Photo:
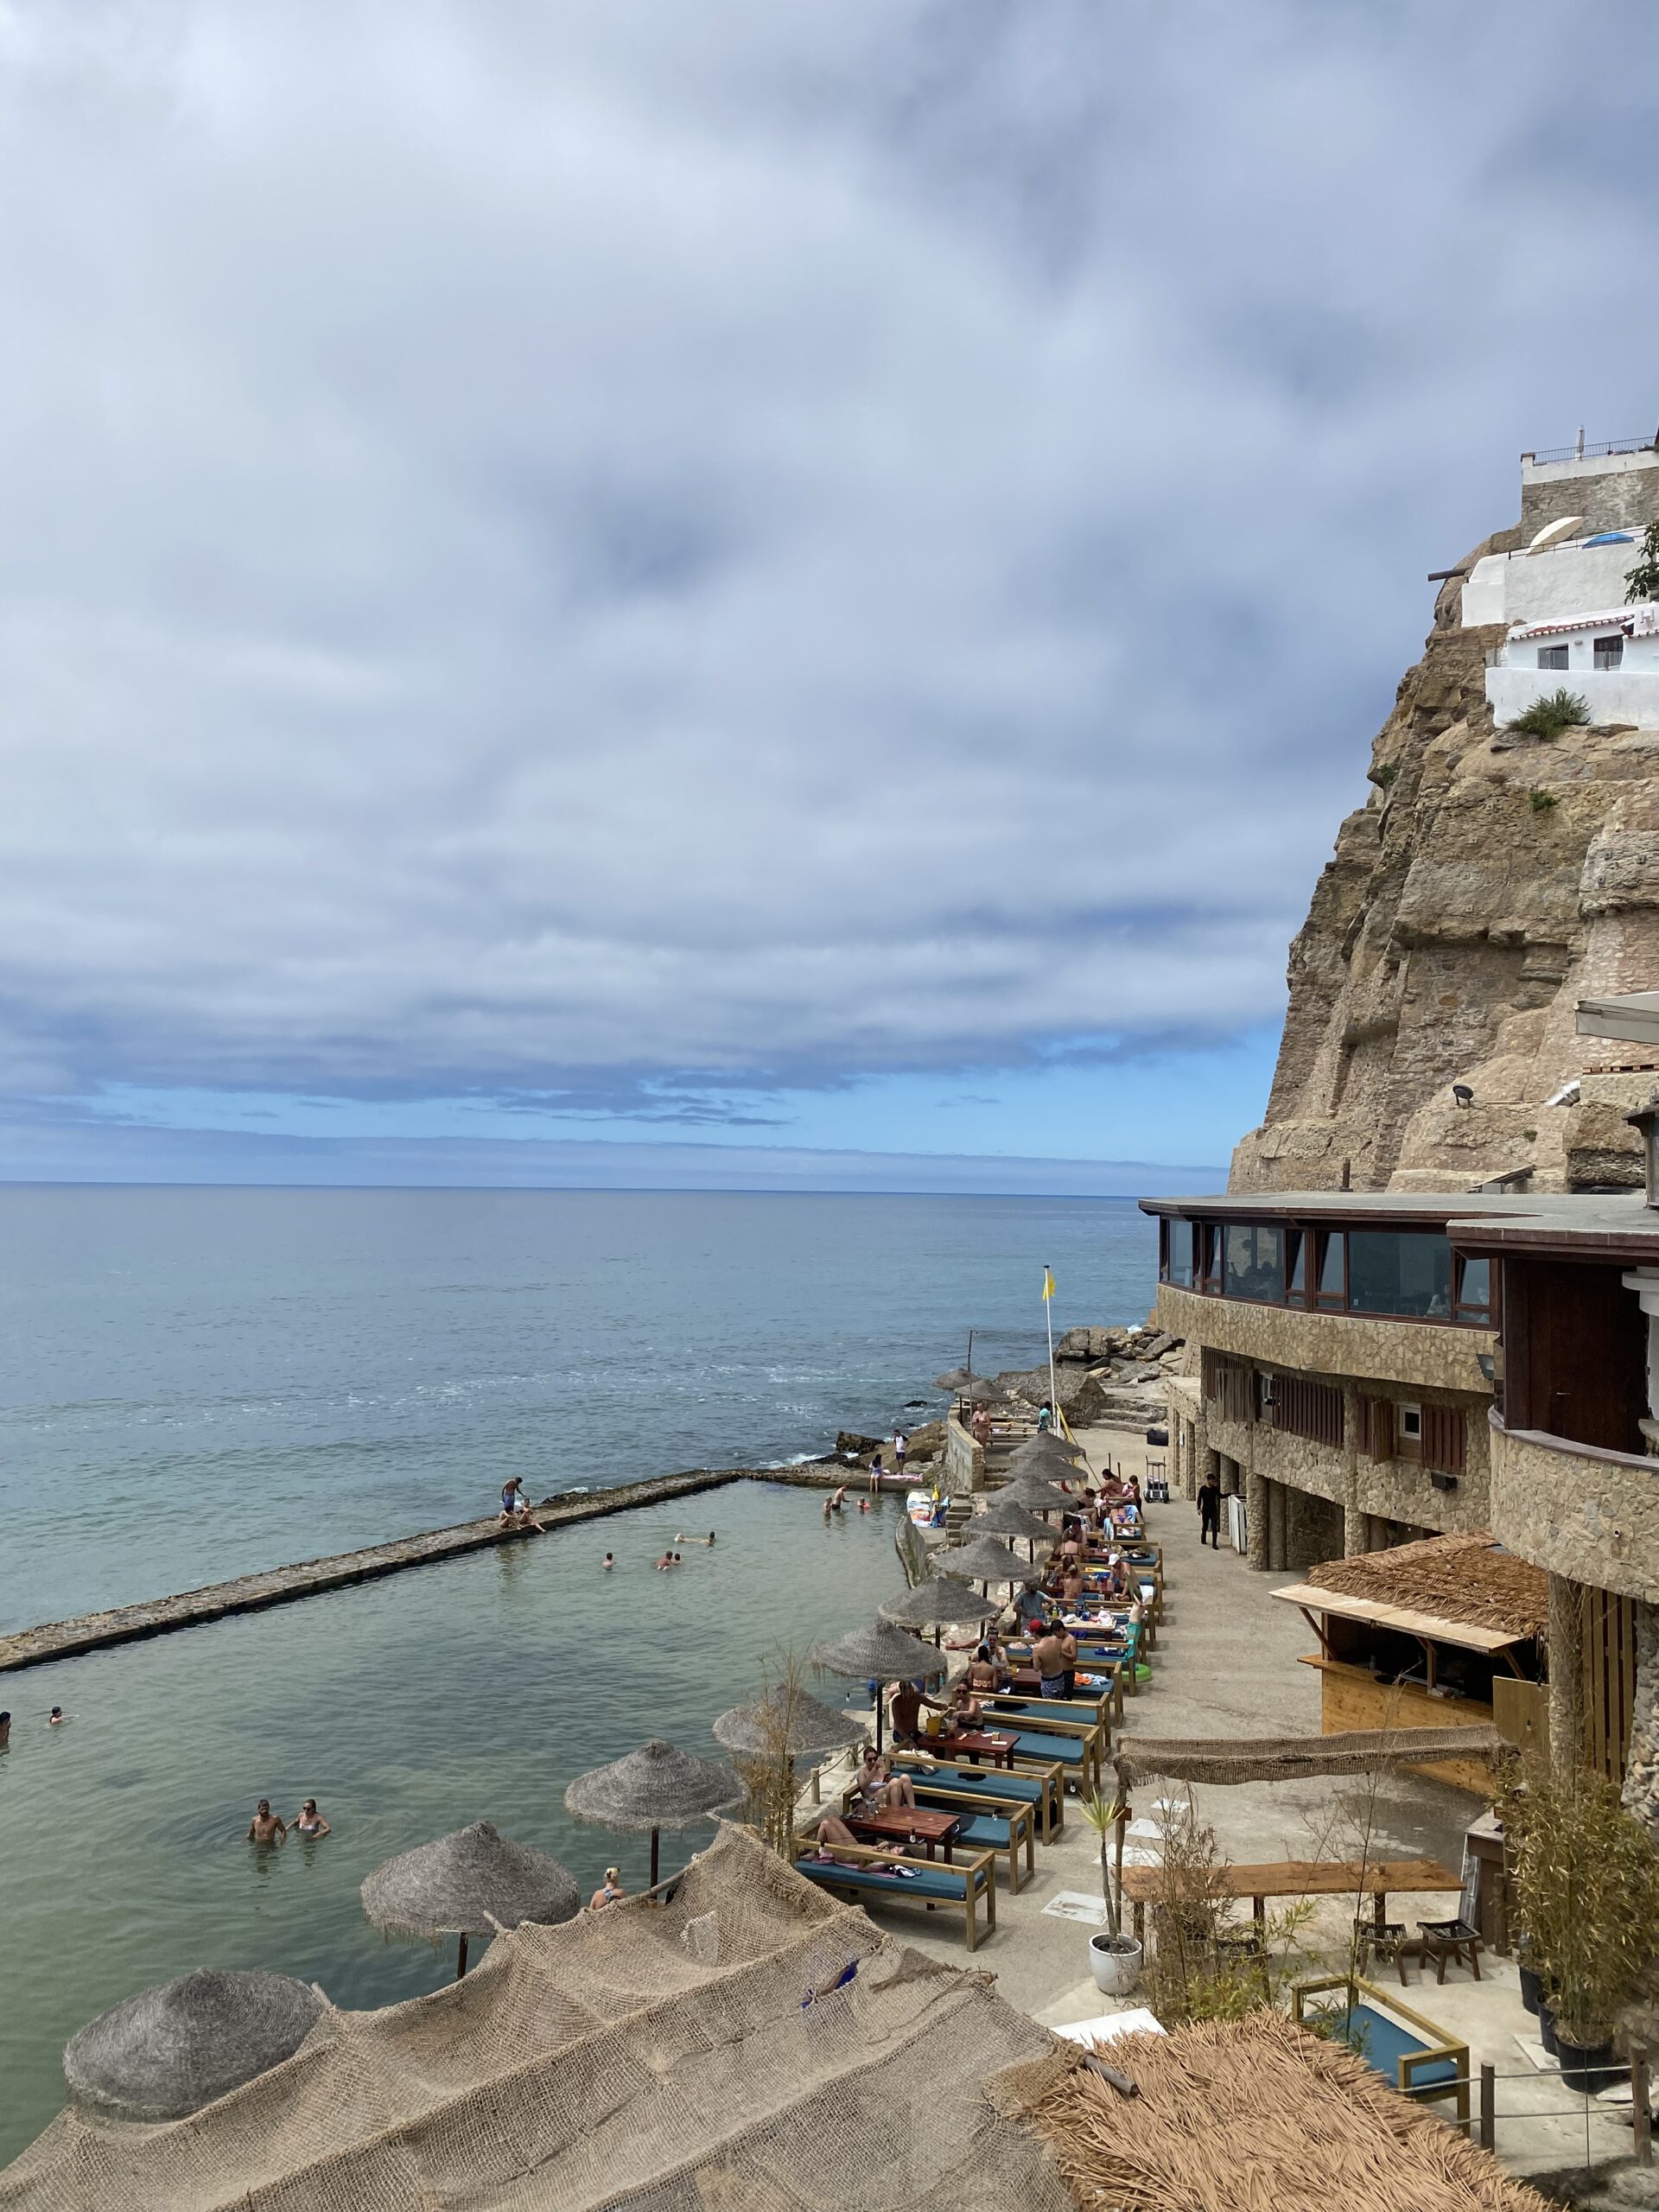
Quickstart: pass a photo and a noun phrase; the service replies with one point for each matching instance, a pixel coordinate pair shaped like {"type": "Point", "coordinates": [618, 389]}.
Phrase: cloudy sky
{"type": "Point", "coordinates": [624, 592]}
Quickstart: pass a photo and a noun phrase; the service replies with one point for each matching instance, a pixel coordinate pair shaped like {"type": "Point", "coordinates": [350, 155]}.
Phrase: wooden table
{"type": "Point", "coordinates": [973, 1744]}
{"type": "Point", "coordinates": [910, 1824]}
{"type": "Point", "coordinates": [1300, 1878]}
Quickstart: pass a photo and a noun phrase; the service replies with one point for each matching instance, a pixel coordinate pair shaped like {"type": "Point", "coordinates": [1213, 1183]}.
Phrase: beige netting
{"type": "Point", "coordinates": [1294, 1758]}
{"type": "Point", "coordinates": [1255, 2115]}
{"type": "Point", "coordinates": [637, 2057]}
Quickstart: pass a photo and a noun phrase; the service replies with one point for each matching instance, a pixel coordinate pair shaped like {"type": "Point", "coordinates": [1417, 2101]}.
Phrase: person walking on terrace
{"type": "Point", "coordinates": [1209, 1511]}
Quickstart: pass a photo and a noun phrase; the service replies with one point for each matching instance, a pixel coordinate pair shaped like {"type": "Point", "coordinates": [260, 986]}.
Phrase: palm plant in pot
{"type": "Point", "coordinates": [1586, 1876]}
{"type": "Point", "coordinates": [1114, 1957]}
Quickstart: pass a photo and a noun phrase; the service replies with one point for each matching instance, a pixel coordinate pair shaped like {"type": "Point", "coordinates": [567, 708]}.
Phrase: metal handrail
{"type": "Point", "coordinates": [1582, 452]}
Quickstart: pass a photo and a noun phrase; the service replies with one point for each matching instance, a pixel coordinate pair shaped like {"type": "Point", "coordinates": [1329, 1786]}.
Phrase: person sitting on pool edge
{"type": "Point", "coordinates": [906, 1707]}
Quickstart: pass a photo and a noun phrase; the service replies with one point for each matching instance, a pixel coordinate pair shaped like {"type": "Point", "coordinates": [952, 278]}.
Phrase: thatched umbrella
{"type": "Point", "coordinates": [954, 1378]}
{"type": "Point", "coordinates": [978, 1392]}
{"type": "Point", "coordinates": [169, 2050]}
{"type": "Point", "coordinates": [472, 1882]}
{"type": "Point", "coordinates": [987, 1561]}
{"type": "Point", "coordinates": [881, 1653]}
{"type": "Point", "coordinates": [1046, 1453]}
{"type": "Point", "coordinates": [654, 1788]}
{"type": "Point", "coordinates": [1036, 1494]}
{"type": "Point", "coordinates": [794, 1725]}
{"type": "Point", "coordinates": [943, 1602]}
{"type": "Point", "coordinates": [1008, 1519]}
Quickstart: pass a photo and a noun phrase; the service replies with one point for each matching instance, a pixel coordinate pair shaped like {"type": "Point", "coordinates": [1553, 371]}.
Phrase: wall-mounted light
{"type": "Point", "coordinates": [1487, 1365]}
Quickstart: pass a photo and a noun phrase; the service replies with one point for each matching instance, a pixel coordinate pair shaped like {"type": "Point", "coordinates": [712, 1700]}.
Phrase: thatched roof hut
{"type": "Point", "coordinates": [1235, 2115]}
{"type": "Point", "coordinates": [171, 2050]}
{"type": "Point", "coordinates": [1468, 1579]}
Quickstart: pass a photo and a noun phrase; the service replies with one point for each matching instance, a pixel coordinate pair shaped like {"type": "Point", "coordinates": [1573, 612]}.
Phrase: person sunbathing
{"type": "Point", "coordinates": [878, 1787]}
{"type": "Point", "coordinates": [834, 1839]}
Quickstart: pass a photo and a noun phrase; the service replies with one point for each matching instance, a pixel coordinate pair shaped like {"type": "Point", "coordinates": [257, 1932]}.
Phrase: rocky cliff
{"type": "Point", "coordinates": [1490, 882]}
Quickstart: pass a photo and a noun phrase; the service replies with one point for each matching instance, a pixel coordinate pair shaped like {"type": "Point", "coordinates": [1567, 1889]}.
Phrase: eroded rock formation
{"type": "Point", "coordinates": [1490, 882]}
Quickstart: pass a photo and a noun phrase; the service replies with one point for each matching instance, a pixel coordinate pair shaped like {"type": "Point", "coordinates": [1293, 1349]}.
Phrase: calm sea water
{"type": "Point", "coordinates": [200, 1382]}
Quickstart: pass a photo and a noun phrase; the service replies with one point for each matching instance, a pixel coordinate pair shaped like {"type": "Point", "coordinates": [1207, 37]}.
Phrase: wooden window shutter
{"type": "Point", "coordinates": [1377, 1427]}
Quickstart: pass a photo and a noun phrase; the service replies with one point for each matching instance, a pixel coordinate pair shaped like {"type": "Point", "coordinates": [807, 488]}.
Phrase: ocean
{"type": "Point", "coordinates": [202, 1382]}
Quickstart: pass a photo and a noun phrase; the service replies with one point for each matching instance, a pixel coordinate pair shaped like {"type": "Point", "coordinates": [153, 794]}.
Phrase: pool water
{"type": "Point", "coordinates": [472, 1690]}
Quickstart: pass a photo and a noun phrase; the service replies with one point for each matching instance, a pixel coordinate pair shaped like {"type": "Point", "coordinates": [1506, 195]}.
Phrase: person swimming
{"type": "Point", "coordinates": [610, 1562]}
{"type": "Point", "coordinates": [266, 1827]}
{"type": "Point", "coordinates": [56, 1718]}
{"type": "Point", "coordinates": [309, 1821]}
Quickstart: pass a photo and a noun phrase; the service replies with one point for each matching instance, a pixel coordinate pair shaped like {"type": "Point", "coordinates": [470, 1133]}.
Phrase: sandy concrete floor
{"type": "Point", "coordinates": [1226, 1665]}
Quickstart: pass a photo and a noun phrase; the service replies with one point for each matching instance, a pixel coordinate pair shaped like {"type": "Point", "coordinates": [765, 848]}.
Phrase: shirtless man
{"type": "Point", "coordinates": [907, 1711]}
{"type": "Point", "coordinates": [265, 1826]}
{"type": "Point", "coordinates": [1050, 1661]}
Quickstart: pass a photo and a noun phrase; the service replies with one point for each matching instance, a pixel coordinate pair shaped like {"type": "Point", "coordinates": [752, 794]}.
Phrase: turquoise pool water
{"type": "Point", "coordinates": [472, 1690]}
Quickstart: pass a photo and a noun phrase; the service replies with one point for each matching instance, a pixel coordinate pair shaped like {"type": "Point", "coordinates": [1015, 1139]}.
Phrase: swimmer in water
{"type": "Point", "coordinates": [265, 1826]}
{"type": "Point", "coordinates": [610, 1562]}
{"type": "Point", "coordinates": [309, 1821]}
{"type": "Point", "coordinates": [56, 1718]}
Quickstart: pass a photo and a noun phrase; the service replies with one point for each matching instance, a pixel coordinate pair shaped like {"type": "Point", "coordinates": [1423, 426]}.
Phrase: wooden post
{"type": "Point", "coordinates": [1487, 2107]}
{"type": "Point", "coordinates": [1641, 2106]}
{"type": "Point", "coordinates": [460, 1960]}
{"type": "Point", "coordinates": [654, 1846]}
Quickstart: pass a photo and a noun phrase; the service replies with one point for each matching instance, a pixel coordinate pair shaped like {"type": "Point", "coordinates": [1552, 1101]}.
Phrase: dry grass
{"type": "Point", "coordinates": [1255, 2115]}
{"type": "Point", "coordinates": [1454, 1578]}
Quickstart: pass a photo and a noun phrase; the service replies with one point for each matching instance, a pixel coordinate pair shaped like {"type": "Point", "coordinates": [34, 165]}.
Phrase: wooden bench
{"type": "Point", "coordinates": [1041, 1788]}
{"type": "Point", "coordinates": [985, 1821]}
{"type": "Point", "coordinates": [962, 1886]}
{"type": "Point", "coordinates": [1423, 2062]}
{"type": "Point", "coordinates": [1052, 1730]}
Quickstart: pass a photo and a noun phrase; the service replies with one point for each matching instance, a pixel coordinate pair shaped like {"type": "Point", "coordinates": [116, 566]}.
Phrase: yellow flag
{"type": "Point", "coordinates": [1048, 1286]}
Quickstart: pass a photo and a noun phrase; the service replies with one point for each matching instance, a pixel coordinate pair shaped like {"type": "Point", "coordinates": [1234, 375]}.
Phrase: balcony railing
{"type": "Point", "coordinates": [1582, 452]}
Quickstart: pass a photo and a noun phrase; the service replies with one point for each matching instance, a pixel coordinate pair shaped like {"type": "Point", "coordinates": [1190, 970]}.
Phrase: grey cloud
{"type": "Point", "coordinates": [550, 549]}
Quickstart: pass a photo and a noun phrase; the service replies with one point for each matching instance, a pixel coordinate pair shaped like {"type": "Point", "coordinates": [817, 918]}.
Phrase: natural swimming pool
{"type": "Point", "coordinates": [473, 1690]}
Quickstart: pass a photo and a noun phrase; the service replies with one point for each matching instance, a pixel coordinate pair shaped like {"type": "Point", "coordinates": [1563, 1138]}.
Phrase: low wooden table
{"type": "Point", "coordinates": [909, 1824]}
{"type": "Point", "coordinates": [973, 1744]}
{"type": "Point", "coordinates": [1300, 1878]}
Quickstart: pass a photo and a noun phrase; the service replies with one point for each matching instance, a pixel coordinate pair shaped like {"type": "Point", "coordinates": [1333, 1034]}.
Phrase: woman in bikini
{"type": "Point", "coordinates": [309, 1821]}
{"type": "Point", "coordinates": [878, 1787]}
{"type": "Point", "coordinates": [610, 1890]}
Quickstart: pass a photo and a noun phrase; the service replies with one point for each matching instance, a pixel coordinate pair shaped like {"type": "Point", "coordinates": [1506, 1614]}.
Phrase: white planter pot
{"type": "Point", "coordinates": [1115, 1962]}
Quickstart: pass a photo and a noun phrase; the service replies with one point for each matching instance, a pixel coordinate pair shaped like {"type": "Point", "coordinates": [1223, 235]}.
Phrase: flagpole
{"type": "Point", "coordinates": [1048, 1315]}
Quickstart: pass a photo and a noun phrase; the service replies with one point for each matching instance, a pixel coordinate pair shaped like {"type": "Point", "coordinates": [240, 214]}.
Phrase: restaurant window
{"type": "Point", "coordinates": [1179, 1243]}
{"type": "Point", "coordinates": [1331, 1290]}
{"type": "Point", "coordinates": [1256, 1261]}
{"type": "Point", "coordinates": [1296, 1270]}
{"type": "Point", "coordinates": [1552, 656]}
{"type": "Point", "coordinates": [1409, 1275]}
{"type": "Point", "coordinates": [1211, 1256]}
{"type": "Point", "coordinates": [1475, 1292]}
{"type": "Point", "coordinates": [1608, 652]}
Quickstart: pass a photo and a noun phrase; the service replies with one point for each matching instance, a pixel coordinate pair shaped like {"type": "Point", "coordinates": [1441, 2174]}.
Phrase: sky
{"type": "Point", "coordinates": [632, 594]}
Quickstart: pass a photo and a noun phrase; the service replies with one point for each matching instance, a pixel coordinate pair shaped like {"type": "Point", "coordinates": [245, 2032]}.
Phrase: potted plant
{"type": "Point", "coordinates": [1587, 1884]}
{"type": "Point", "coordinates": [1114, 1957]}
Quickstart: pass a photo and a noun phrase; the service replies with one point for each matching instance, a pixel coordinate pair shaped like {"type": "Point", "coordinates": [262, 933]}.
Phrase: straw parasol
{"type": "Point", "coordinates": [943, 1602]}
{"type": "Point", "coordinates": [881, 1654]}
{"type": "Point", "coordinates": [793, 1723]}
{"type": "Point", "coordinates": [1010, 1520]}
{"type": "Point", "coordinates": [472, 1882]}
{"type": "Point", "coordinates": [979, 1392]}
{"type": "Point", "coordinates": [954, 1378]}
{"type": "Point", "coordinates": [1037, 1495]}
{"type": "Point", "coordinates": [986, 1560]}
{"type": "Point", "coordinates": [654, 1788]}
{"type": "Point", "coordinates": [1045, 1454]}
{"type": "Point", "coordinates": [165, 2053]}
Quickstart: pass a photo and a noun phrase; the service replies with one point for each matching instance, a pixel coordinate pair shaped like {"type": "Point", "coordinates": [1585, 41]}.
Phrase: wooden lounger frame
{"type": "Point", "coordinates": [1050, 1809]}
{"type": "Point", "coordinates": [978, 1873]}
{"type": "Point", "coordinates": [1021, 1819]}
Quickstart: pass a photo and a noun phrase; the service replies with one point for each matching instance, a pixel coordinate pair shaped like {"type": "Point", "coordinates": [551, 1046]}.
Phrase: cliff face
{"type": "Point", "coordinates": [1490, 881]}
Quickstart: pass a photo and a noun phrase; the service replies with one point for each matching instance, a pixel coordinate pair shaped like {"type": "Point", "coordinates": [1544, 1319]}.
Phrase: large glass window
{"type": "Point", "coordinates": [1399, 1274]}
{"type": "Point", "coordinates": [1179, 1265]}
{"type": "Point", "coordinates": [1330, 1286]}
{"type": "Point", "coordinates": [1296, 1272]}
{"type": "Point", "coordinates": [1474, 1290]}
{"type": "Point", "coordinates": [1256, 1261]}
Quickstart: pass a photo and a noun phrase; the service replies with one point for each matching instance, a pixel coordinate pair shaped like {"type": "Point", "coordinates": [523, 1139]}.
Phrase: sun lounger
{"type": "Point", "coordinates": [1421, 2059]}
{"type": "Point", "coordinates": [985, 1821]}
{"type": "Point", "coordinates": [1041, 1733]}
{"type": "Point", "coordinates": [1042, 1788]}
{"type": "Point", "coordinates": [862, 1875]}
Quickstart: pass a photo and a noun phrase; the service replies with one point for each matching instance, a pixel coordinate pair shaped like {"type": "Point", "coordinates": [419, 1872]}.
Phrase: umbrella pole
{"type": "Point", "coordinates": [879, 1689]}
{"type": "Point", "coordinates": [653, 1858]}
{"type": "Point", "coordinates": [461, 1959]}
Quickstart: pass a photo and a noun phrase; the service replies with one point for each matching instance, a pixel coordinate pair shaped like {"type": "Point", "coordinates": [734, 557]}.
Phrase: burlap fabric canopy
{"type": "Point", "coordinates": [699, 2053]}
{"type": "Point", "coordinates": [787, 1724]}
{"type": "Point", "coordinates": [472, 1882]}
{"type": "Point", "coordinates": [943, 1602]}
{"type": "Point", "coordinates": [1292, 1758]}
{"type": "Point", "coordinates": [652, 1788]}
{"type": "Point", "coordinates": [171, 2050]}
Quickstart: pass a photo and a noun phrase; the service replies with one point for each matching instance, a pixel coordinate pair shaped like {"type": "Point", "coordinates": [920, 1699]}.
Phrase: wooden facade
{"type": "Point", "coordinates": [1575, 1352]}
{"type": "Point", "coordinates": [1608, 1682]}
